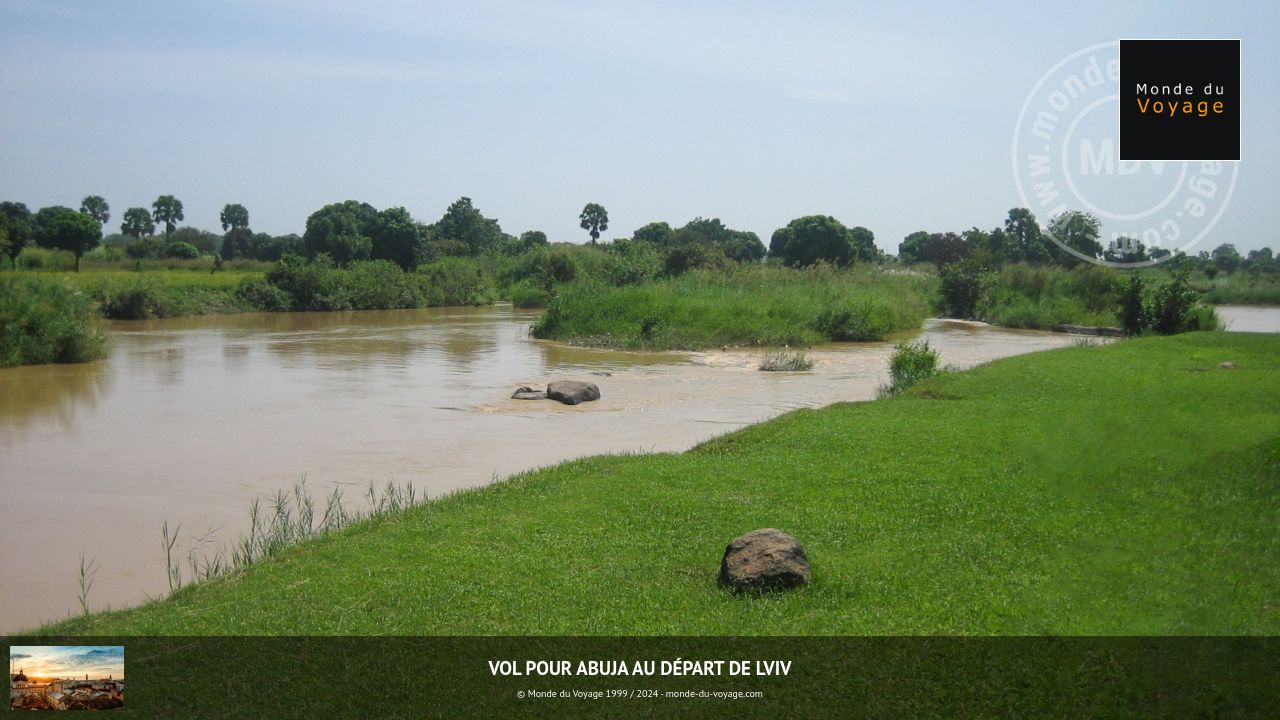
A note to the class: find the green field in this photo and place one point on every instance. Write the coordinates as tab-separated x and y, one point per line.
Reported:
1126	489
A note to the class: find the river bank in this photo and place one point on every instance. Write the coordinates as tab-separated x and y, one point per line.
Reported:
172	423
977	503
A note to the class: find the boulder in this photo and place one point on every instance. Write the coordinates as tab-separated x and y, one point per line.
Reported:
528	393
766	559
572	392
1228	365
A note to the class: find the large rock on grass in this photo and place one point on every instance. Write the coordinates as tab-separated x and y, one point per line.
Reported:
572	392
766	559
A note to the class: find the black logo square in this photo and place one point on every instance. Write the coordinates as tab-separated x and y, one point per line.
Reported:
1179	99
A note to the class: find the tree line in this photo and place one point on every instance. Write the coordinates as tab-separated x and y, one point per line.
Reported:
352	230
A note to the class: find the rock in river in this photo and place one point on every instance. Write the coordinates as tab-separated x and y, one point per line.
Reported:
572	392
766	559
528	393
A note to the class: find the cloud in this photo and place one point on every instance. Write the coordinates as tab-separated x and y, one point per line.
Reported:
18	656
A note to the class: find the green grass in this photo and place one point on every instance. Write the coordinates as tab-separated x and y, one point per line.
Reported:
750	305
1124	489
162	293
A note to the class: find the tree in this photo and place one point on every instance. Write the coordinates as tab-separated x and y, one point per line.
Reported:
1227	258
396	237
657	234
167	209
235	223
809	239
738	245
1023	239
937	248
65	229
97	208
463	223
1078	231
1261	255
864	244
341	231
530	239
16	231
594	219
137	223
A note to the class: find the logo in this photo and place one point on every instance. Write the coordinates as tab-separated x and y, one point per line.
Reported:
1066	158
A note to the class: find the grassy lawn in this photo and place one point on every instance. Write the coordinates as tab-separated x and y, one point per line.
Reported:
1128	489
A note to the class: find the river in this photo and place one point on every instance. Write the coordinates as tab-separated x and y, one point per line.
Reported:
188	420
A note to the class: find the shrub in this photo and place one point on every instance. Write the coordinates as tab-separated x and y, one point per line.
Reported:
135	298
255	293
381	284
38	258
529	294
867	320
147	248
310	284
456	281
180	249
1172	308
911	363
46	321
1133	316
963	284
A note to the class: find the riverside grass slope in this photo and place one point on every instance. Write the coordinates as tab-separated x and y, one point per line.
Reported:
1126	489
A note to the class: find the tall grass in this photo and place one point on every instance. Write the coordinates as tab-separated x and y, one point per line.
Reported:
44	320
1243	289
1043	296
281	521
786	361
749	305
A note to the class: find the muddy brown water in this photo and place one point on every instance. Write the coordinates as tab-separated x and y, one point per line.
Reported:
1250	318
190	419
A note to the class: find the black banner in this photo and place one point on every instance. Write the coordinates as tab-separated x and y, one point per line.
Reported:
443	677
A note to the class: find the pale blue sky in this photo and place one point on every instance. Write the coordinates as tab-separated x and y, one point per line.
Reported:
894	116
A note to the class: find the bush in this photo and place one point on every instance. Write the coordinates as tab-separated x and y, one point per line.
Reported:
179	249
911	363
135	298
147	248
38	258
1133	316
867	320
456	281
381	284
1174	306
310	284
529	294
963	284
46	321
256	293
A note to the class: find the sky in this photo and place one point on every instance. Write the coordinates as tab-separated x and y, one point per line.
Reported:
895	116
68	661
